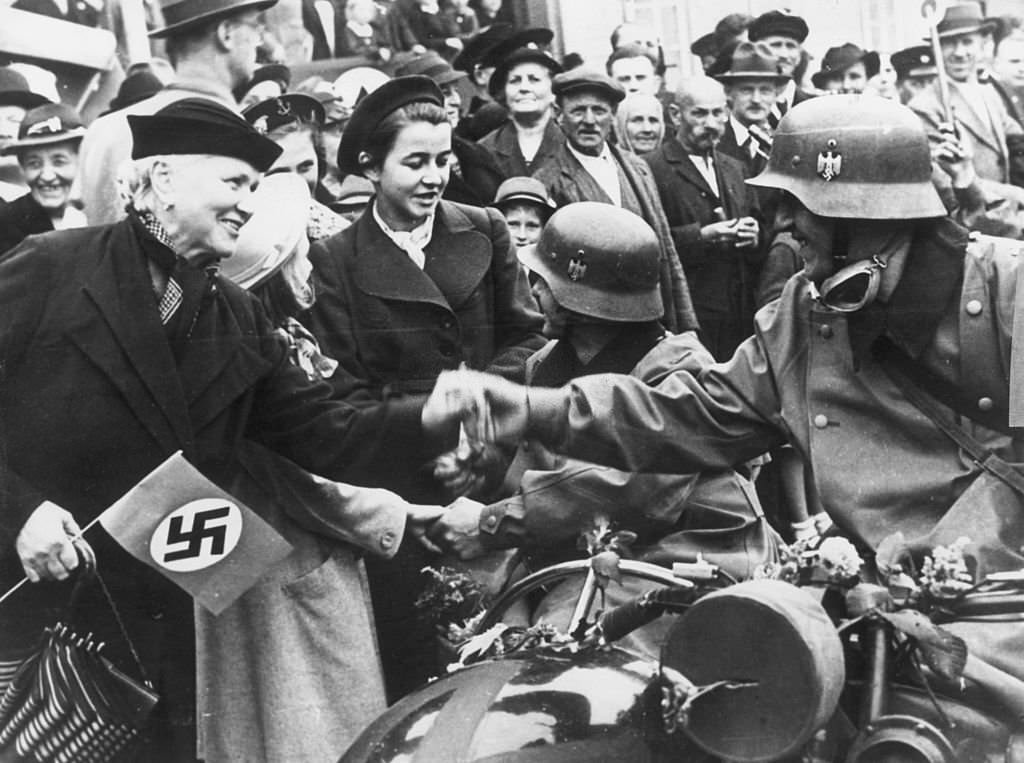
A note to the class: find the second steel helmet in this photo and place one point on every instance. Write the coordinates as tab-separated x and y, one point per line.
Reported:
599	260
854	156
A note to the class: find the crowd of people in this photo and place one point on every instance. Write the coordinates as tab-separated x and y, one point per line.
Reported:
469	298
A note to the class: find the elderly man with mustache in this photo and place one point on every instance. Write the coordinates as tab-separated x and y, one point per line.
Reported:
713	216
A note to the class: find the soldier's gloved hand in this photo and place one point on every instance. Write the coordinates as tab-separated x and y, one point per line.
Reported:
458	530
44	543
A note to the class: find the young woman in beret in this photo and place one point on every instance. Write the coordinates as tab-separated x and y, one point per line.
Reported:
416	286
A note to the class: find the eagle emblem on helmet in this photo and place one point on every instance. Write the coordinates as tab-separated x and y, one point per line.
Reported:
830	162
577	268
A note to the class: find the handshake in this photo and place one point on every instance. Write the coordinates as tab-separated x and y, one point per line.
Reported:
491	412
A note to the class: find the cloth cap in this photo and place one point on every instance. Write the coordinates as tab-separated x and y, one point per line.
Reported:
523	188
50	123
430	64
588	78
200	126
752	60
840	58
274	233
180	15
777	23
372	110
266	116
14	90
917	61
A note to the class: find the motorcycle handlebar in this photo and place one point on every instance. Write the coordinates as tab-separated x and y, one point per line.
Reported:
625	618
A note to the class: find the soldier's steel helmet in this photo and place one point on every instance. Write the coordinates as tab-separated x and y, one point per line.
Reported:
599	260
854	156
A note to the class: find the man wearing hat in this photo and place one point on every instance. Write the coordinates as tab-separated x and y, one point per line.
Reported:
706	49
981	118
713	216
47	152
915	71
589	168
475	175
784	34
752	83
212	45
846	68
16	98
121	346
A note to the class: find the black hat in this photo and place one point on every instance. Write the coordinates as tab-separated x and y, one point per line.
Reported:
477	46
778	23
278	73
534	37
136	87
587	78
49	123
496	85
841	58
731	28
182	14
706	45
917	61
200	126
430	64
751	60
266	116
372	110
14	90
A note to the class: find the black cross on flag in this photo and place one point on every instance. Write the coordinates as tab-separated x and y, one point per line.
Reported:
200	537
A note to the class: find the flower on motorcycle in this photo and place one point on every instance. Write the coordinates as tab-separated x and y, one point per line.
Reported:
832	561
944	573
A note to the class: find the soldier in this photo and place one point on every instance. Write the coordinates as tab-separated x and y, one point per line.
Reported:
885	362
915	71
596	271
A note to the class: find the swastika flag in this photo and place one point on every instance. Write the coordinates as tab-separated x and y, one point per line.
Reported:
200	537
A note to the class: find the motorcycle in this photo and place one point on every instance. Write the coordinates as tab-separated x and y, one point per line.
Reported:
761	670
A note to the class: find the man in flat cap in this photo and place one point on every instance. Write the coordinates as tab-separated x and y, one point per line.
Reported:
212	46
589	168
121	346
915	71
784	34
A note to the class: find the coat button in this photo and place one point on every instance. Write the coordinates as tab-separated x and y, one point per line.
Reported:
447	350
821	421
158	615
447	323
985	404
491	522
973	307
387	540
825	331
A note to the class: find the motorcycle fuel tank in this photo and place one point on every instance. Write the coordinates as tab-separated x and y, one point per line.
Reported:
596	706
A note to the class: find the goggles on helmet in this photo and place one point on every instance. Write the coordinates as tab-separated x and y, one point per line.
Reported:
852	288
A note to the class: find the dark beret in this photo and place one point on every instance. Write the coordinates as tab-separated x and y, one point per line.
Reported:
778	23
266	116
371	111
200	126
588	78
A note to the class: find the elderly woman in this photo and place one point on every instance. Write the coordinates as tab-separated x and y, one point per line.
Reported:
121	346
47	151
521	82
641	123
416	286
